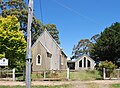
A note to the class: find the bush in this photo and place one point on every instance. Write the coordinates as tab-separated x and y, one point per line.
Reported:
109	66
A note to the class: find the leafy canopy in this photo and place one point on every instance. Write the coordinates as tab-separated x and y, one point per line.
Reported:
107	46
12	42
84	46
20	10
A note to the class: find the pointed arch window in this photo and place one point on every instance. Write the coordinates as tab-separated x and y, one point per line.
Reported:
38	59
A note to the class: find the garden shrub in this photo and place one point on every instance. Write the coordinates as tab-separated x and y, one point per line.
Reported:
109	66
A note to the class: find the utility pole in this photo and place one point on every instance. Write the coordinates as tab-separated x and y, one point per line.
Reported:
28	53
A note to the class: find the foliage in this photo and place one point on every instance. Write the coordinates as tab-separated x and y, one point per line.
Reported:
20	10
12	42
2	55
95	37
107	65
17	8
107	46
84	46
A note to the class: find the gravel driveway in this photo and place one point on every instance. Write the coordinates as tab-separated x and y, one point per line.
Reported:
76	84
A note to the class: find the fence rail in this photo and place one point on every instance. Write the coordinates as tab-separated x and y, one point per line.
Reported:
50	75
7	74
111	73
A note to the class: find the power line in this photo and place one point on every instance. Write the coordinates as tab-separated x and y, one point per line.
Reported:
73	10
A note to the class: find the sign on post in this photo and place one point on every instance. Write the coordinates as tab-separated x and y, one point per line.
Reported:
4	62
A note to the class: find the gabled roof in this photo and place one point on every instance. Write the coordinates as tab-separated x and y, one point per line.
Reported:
84	55
77	59
45	31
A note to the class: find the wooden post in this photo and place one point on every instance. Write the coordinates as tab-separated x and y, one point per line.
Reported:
44	74
13	74
86	64
0	72
68	73
118	73
104	75
24	74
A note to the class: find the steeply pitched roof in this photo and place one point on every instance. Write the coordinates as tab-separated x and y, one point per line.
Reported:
45	31
84	55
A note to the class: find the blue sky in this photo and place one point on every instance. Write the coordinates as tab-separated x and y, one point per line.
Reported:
78	19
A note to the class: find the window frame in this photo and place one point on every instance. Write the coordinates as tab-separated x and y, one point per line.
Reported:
37	59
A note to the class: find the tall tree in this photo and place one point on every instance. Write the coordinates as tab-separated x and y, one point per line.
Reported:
12	42
107	46
95	37
20	10
84	46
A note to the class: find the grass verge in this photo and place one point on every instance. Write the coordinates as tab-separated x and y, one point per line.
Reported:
62	86
84	75
115	86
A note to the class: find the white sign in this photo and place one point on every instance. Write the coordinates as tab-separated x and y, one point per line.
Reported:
4	62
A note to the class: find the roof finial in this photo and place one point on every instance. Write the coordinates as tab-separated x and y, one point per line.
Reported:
45	29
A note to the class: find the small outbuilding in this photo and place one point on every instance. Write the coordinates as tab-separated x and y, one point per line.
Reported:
82	62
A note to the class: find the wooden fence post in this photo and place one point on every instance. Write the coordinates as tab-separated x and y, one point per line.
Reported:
44	74
104	75
13	74
68	73
24	74
118	73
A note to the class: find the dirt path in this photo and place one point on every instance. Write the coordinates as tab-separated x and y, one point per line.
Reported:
76	84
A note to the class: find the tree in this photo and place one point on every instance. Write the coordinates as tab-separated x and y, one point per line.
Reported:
20	10
84	46
107	46
95	37
12	42
17	8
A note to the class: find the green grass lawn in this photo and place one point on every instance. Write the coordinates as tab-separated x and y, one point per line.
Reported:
115	86
74	75
63	86
84	75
